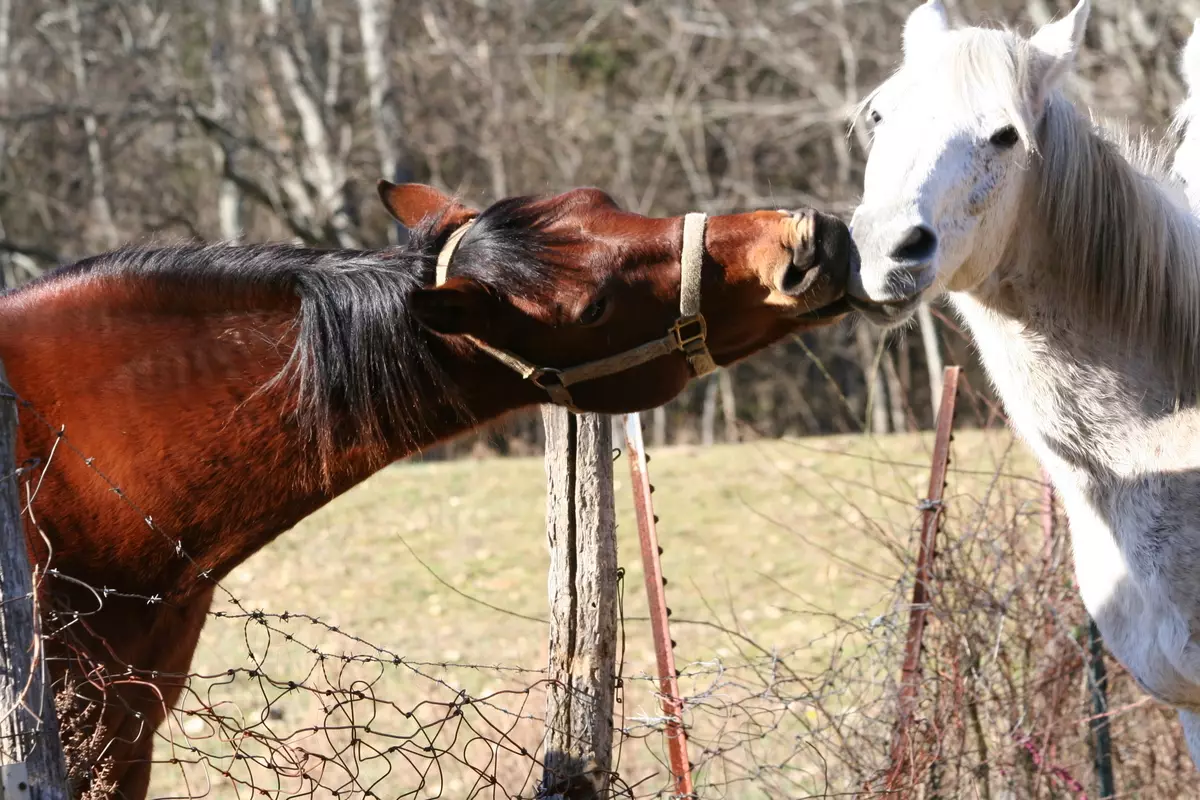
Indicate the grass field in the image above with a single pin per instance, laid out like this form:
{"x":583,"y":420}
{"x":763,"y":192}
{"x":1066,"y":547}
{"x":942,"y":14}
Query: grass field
{"x":784,"y":550}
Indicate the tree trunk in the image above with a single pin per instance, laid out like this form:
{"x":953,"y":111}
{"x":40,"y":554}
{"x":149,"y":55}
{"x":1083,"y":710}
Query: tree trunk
{"x":7,"y":267}
{"x":765,"y":421}
{"x":320,"y":165}
{"x":895,"y":393}
{"x":799,"y":404}
{"x":933,"y":358}
{"x":876,"y":410}
{"x":5,"y":78}
{"x":708,"y":414}
{"x":385,"y":117}
{"x":660,"y":426}
{"x":229,"y":196}
{"x":102,"y":228}
{"x":728,"y":404}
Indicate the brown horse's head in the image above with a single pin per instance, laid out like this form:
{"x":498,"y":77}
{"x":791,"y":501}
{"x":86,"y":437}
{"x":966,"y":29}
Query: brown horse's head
{"x":571,"y":279}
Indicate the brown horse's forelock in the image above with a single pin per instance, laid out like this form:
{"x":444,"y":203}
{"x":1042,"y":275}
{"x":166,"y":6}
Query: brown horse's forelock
{"x":360,"y":354}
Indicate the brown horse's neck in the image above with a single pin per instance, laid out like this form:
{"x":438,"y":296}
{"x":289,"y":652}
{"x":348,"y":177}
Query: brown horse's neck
{"x":189,"y":406}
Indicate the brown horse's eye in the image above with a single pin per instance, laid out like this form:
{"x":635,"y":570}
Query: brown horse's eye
{"x":595,"y":313}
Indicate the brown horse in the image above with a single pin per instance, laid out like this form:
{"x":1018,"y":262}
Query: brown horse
{"x":181,"y":407}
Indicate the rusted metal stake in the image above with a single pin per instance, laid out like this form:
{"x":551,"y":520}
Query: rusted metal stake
{"x":672,"y":704}
{"x":931,"y":513}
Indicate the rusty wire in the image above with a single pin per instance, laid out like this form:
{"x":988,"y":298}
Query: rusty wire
{"x":1003,"y":711}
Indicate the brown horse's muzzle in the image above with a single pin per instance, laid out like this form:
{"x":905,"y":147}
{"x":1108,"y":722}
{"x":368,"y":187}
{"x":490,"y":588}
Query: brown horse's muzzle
{"x":822,"y":261}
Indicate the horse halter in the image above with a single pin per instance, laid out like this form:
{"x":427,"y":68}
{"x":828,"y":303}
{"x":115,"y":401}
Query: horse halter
{"x":687,"y":335}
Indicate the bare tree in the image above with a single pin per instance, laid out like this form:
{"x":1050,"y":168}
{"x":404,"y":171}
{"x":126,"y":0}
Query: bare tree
{"x":659,"y":417}
{"x":385,"y":115}
{"x":323,"y":165}
{"x":877,"y":407}
{"x":264,"y":120}
{"x":933,"y":356}
{"x":102,"y":227}
{"x":223,"y":69}
{"x":13,"y":265}
{"x":708,"y":416}
{"x":728,"y":404}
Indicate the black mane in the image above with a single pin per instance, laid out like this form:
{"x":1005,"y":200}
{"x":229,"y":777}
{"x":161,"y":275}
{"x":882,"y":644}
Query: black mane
{"x":359,"y":349}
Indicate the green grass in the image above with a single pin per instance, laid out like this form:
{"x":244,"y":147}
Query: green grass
{"x":788,"y":547}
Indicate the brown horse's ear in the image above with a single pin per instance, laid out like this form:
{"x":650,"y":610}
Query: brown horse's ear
{"x":459,"y":306}
{"x":410,"y":203}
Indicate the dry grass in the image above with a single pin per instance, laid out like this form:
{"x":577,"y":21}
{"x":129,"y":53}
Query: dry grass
{"x":785,"y":559}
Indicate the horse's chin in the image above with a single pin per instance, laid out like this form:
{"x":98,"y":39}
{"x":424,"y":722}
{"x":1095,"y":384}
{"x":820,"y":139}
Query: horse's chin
{"x":886,"y":315}
{"x":838,"y":308}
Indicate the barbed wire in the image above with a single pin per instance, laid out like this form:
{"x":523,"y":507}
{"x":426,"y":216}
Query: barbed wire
{"x":313,"y":709}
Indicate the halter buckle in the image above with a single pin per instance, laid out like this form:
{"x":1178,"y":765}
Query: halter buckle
{"x":690,"y":333}
{"x":689,"y":330}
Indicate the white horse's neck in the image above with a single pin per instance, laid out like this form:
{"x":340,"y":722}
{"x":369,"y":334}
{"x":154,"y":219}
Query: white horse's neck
{"x":1083,"y":407}
{"x":1123,"y":455}
{"x":1091,"y":401}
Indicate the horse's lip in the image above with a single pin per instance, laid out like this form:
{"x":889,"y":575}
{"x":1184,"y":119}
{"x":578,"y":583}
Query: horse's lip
{"x":837,"y":308}
{"x":888,"y":311}
{"x":862,"y":304}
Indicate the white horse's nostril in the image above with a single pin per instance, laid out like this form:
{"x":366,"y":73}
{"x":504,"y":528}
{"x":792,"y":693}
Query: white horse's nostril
{"x":916,"y":246}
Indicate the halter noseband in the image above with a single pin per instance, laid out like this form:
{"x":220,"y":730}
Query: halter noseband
{"x":687,"y":335}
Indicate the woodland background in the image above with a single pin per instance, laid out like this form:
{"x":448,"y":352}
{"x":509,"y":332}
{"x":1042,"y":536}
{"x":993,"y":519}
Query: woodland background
{"x":144,"y":120}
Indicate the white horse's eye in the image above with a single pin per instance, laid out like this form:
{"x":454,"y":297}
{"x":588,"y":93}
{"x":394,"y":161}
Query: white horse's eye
{"x":1006,"y":137}
{"x":876,"y":117}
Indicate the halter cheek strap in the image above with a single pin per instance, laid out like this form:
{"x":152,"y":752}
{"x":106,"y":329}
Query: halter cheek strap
{"x":691,"y":268}
{"x":443,"y":259}
{"x":688,"y":335}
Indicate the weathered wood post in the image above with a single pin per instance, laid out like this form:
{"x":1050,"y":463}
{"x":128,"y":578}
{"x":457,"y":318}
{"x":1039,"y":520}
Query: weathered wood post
{"x":581,"y":527}
{"x":31,"y":758}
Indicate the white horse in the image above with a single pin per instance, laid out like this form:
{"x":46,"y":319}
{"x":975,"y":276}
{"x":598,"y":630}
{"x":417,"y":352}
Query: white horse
{"x":1077,"y":268}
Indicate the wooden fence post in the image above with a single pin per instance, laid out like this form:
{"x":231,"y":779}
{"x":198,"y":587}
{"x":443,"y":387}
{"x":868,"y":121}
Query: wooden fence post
{"x":31,"y":758}
{"x":581,"y":527}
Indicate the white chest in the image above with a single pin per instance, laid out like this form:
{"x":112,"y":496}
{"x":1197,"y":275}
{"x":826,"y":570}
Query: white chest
{"x":1130,"y":484}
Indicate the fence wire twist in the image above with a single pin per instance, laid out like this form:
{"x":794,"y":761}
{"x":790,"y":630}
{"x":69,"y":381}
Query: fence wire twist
{"x":314,"y":710}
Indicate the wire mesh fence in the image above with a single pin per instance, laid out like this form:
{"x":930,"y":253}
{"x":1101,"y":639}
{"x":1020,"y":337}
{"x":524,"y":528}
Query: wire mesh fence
{"x":308,"y":682}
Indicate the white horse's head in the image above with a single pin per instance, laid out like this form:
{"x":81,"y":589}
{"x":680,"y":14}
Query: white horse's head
{"x":954,"y":129}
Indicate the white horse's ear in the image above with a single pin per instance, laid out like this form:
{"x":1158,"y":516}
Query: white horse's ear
{"x":1059,"y":41}
{"x":1190,"y":64}
{"x":926,"y":22}
{"x":1056,"y":44}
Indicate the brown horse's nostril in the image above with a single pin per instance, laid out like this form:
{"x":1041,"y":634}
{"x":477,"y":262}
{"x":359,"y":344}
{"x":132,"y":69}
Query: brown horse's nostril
{"x":798,"y":279}
{"x":824,"y":252}
{"x":836,"y":249}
